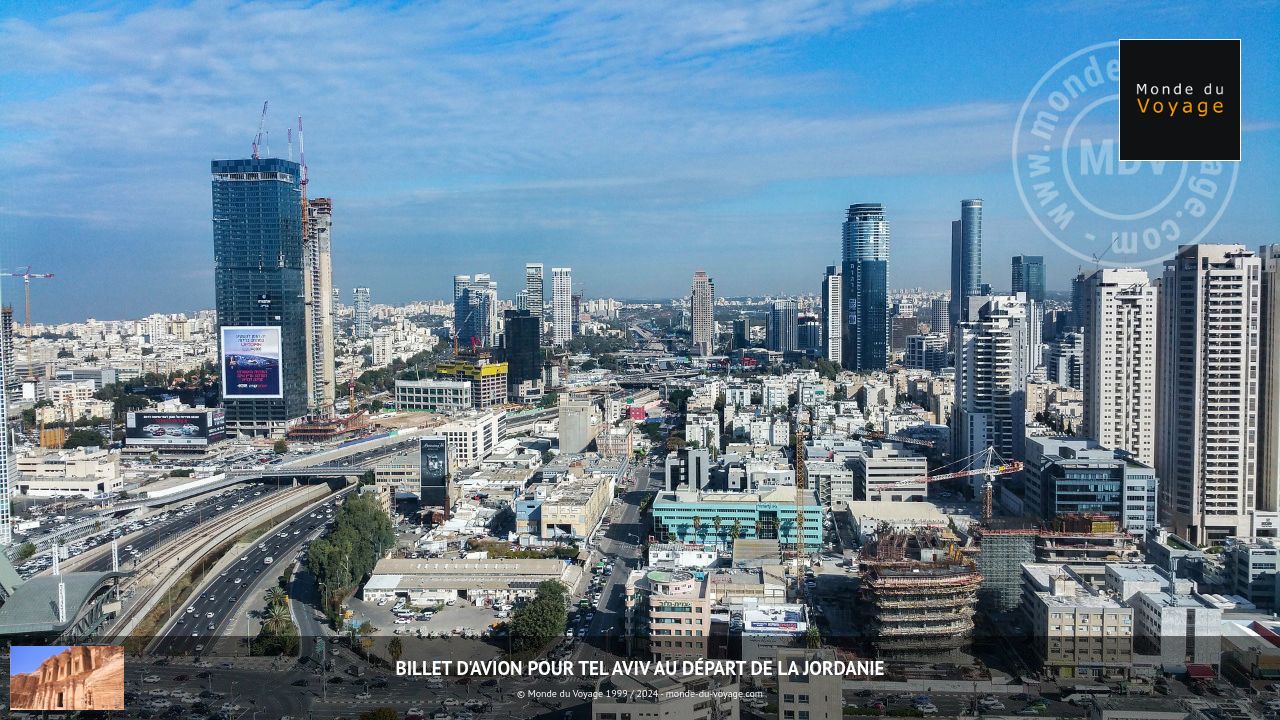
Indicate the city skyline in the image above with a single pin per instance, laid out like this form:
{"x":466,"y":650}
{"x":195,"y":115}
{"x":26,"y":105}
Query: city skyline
{"x":119,"y":130}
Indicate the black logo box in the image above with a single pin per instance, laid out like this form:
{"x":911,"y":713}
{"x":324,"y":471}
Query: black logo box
{"x":1187,"y":68}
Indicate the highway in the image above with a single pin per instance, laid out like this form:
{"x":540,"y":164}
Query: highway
{"x":210,"y":615}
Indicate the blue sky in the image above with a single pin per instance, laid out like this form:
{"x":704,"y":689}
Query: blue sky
{"x":26,"y":658}
{"x":635,"y":142}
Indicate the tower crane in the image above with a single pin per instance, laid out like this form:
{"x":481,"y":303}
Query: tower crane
{"x":27,"y":276}
{"x":992,"y":467}
{"x":262,"y":124}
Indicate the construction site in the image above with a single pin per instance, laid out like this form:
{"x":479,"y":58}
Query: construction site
{"x":918,"y":595}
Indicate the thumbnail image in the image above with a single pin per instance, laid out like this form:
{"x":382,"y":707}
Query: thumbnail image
{"x":61,"y":677}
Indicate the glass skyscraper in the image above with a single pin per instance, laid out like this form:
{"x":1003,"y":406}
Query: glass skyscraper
{"x":966,"y":259}
{"x":865,"y":269}
{"x":258,"y":277}
{"x":1028,"y":277}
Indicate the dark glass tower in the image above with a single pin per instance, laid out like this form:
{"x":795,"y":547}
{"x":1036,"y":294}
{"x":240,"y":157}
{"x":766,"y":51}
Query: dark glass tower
{"x":257,"y":253}
{"x":1028,"y":277}
{"x":966,"y":259}
{"x":865,"y":269}
{"x":521,"y":333}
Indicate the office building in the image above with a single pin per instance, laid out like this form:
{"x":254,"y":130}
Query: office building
{"x":809,"y":334}
{"x":488,"y":379}
{"x":1118,"y":315}
{"x":782,"y":333}
{"x":1207,"y":391}
{"x":1074,"y":476}
{"x":702,"y":309}
{"x":809,"y":696}
{"x":926,"y":352}
{"x":692,"y":697}
{"x":534,"y":291}
{"x":742,"y":333}
{"x":865,"y":268}
{"x":889,"y":471}
{"x":471,"y":438}
{"x":1028,"y":277}
{"x":832,"y":325}
{"x":1269,"y":389}
{"x":258,"y":283}
{"x":940,"y":316}
{"x":575,"y":423}
{"x":475,"y":310}
{"x":521,"y":335}
{"x":689,"y":515}
{"x":562,"y":305}
{"x":672,"y":610}
{"x":996,"y":352}
{"x":1077,"y":631}
{"x":1064,"y":361}
{"x":317,"y":286}
{"x":442,"y":396}
{"x":360,"y":299}
{"x":966,"y":259}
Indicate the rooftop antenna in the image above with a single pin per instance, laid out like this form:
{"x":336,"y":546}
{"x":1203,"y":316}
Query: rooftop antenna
{"x":262,"y":122}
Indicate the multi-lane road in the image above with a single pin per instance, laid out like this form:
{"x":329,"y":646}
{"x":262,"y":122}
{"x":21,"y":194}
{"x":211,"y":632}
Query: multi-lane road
{"x":215,"y":611}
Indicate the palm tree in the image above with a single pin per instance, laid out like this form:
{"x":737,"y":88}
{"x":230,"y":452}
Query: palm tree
{"x":395,"y":649}
{"x":716,"y":521}
{"x":697,"y":526}
{"x":277,"y":618}
{"x":275,"y":596}
{"x":735,"y":530}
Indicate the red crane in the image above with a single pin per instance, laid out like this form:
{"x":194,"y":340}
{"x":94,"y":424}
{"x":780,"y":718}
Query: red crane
{"x":26,"y":275}
{"x":989,"y":468}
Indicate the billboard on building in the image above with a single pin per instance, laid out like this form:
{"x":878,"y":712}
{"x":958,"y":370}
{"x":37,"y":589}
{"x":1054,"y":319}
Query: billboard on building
{"x":177,"y":429}
{"x":251,"y":363}
{"x":434,"y":457}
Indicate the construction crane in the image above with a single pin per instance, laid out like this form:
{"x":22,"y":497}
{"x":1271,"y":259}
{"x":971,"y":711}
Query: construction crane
{"x":27,"y":276}
{"x":992,"y":466}
{"x":802,"y":487}
{"x":262,"y":124}
{"x":877,"y":435}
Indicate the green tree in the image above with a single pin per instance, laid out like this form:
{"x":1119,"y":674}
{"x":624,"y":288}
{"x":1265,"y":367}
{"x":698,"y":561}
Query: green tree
{"x":361,"y":533}
{"x":277,"y":618}
{"x":717,"y":522}
{"x":549,"y":400}
{"x":281,"y":447}
{"x":275,"y":596}
{"x":735,"y":530}
{"x":25,"y":551}
{"x":381,"y":713}
{"x":83,"y":437}
{"x":541,"y":620}
{"x":375,"y":405}
{"x":813,"y":638}
{"x":395,"y":648}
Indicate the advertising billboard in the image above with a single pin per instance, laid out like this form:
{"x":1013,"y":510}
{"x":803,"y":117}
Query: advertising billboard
{"x":434,"y":457}
{"x":251,"y":363}
{"x":177,"y":429}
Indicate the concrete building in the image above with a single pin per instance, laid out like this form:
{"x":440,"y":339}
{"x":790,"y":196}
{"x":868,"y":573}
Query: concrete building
{"x":561,"y":305}
{"x":1179,"y":628}
{"x":431,"y":582}
{"x":317,"y":286}
{"x":472,"y":437}
{"x":1208,"y":377}
{"x":997,"y":349}
{"x":1066,"y":476}
{"x":82,"y":472}
{"x":617,"y":442}
{"x":576,"y":427}
{"x":889,"y":471}
{"x":1064,"y":360}
{"x":1251,"y":569}
{"x":919,"y":608}
{"x":832,"y":318}
{"x":687,"y":468}
{"x":443,"y":396}
{"x":685,"y":557}
{"x":702,"y":309}
{"x":669,"y":611}
{"x":926,"y":352}
{"x":1119,"y":354}
{"x":383,"y":348}
{"x":361,"y":305}
{"x":1076,"y":631}
{"x":535,"y":293}
{"x":488,"y":378}
{"x":574,"y":507}
{"x":804,"y":696}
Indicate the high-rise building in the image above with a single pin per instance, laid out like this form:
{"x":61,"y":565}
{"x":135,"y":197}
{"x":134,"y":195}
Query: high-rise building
{"x":865,"y":268}
{"x":520,"y":342}
{"x":7,"y":467}
{"x":258,"y":283}
{"x":317,"y":287}
{"x":966,"y":259}
{"x":534,"y":289}
{"x":940,"y":315}
{"x":9,"y":371}
{"x":360,"y":298}
{"x":996,"y":352}
{"x":1028,"y":277}
{"x":782,"y":333}
{"x":809,"y":334}
{"x":832,"y":326}
{"x":926,"y":352}
{"x":475,"y":310}
{"x":702,"y":307}
{"x":1064,"y":361}
{"x":562,"y":305}
{"x":1207,"y":391}
{"x":1269,"y":390}
{"x":742,"y":333}
{"x":1119,"y":360}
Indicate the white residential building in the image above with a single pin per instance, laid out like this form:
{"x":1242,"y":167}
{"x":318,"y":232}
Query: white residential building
{"x":1269,"y":392}
{"x":996,"y":352}
{"x":384,"y":348}
{"x":1119,"y":373}
{"x":702,"y":309}
{"x":832,"y":325}
{"x":534,"y":289}
{"x":562,"y":305}
{"x":472,"y":437}
{"x":444,"y":396}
